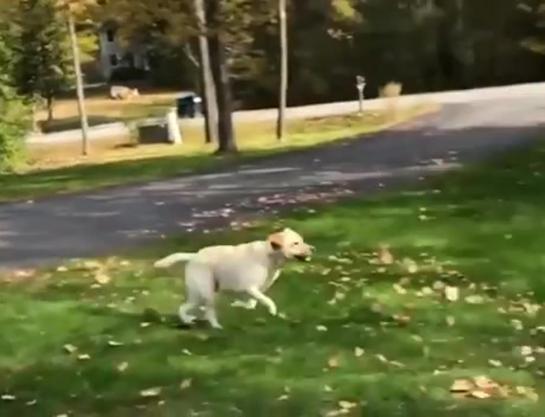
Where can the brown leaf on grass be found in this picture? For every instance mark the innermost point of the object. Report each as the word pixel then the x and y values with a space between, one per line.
pixel 385 257
pixel 474 299
pixel 462 385
pixel 24 273
pixel 438 286
pixel 410 265
pixel 495 363
pixel 102 278
pixel 452 294
pixel 485 383
pixel 70 348
pixel 527 392
pixel 402 319
pixel 333 362
pixel 123 366
pixel 185 384
pixel 381 358
pixel 481 395
pixel 358 352
pixel 347 405
pixel 151 392
pixel 526 350
pixel 517 324
pixel 399 289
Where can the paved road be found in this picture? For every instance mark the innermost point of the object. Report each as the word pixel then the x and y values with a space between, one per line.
pixel 102 222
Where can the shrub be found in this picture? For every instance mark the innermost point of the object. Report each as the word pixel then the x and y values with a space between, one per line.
pixel 391 90
pixel 14 124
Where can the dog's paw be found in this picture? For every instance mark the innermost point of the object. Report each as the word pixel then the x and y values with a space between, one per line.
pixel 273 310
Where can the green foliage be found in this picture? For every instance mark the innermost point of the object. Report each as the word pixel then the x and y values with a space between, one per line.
pixel 44 64
pixel 13 112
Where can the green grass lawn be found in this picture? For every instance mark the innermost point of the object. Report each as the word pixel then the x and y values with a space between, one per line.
pixel 356 338
pixel 118 164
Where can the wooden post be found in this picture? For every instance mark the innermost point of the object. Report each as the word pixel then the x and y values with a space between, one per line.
pixel 283 93
pixel 79 84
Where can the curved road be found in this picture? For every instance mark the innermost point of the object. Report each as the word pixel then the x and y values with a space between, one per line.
pixel 98 223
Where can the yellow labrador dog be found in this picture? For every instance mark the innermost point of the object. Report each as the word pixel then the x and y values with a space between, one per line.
pixel 249 268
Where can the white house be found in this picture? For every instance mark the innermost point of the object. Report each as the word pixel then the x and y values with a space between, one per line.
pixel 115 54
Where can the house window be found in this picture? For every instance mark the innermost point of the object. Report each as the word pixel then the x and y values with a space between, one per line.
pixel 110 35
pixel 114 61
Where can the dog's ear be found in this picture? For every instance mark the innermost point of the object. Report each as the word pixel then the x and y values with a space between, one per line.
pixel 276 240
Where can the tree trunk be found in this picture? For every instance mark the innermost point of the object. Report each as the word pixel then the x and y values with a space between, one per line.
pixel 79 85
pixel 49 104
pixel 207 79
pixel 220 72
pixel 283 93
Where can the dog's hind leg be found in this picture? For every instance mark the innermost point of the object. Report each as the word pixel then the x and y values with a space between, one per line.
pixel 210 314
pixel 185 310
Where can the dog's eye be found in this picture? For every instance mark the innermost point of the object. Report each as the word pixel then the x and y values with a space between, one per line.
pixel 296 243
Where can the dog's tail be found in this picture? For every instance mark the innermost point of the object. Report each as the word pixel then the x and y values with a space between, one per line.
pixel 173 259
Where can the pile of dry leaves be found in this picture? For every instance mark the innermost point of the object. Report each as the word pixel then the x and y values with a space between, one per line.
pixel 482 388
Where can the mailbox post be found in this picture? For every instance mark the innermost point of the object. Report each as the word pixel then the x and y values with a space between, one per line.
pixel 360 85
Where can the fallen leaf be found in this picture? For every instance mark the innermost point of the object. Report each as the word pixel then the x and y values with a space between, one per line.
pixel 151 392
pixel 381 358
pixel 517 324
pixel 526 350
pixel 462 385
pixel 481 395
pixel 84 357
pixel 62 268
pixel 283 397
pixel 495 363
pixel 399 289
pixel 114 343
pixel 474 299
pixel 527 392
pixel 484 383
pixel 70 348
pixel 347 405
pixel 439 285
pixel 8 397
pixel 427 291
pixel 102 278
pixel 358 352
pixel 451 321
pixel 333 362
pixel 185 384
pixel 385 257
pixel 321 328
pixel 123 366
pixel 452 294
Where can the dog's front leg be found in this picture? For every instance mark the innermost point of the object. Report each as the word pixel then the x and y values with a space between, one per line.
pixel 270 282
pixel 263 299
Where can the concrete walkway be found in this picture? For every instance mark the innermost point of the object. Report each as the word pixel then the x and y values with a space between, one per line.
pixel 469 128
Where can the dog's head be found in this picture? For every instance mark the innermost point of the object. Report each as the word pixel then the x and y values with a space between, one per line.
pixel 291 245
